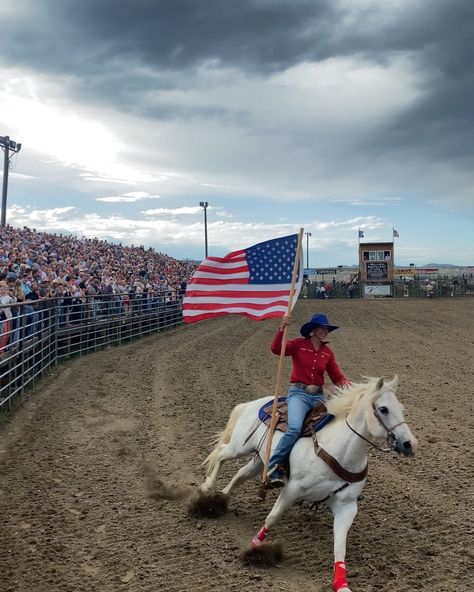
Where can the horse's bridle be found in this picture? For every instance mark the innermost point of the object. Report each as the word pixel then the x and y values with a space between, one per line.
pixel 360 476
pixel 391 437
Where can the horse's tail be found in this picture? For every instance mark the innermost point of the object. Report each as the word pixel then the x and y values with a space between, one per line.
pixel 223 438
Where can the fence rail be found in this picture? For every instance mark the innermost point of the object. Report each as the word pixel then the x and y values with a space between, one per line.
pixel 35 336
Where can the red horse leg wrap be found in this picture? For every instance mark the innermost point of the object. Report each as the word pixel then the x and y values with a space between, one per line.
pixel 260 537
pixel 339 580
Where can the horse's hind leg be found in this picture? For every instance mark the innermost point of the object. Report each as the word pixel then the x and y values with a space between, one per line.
pixel 210 482
pixel 251 469
pixel 226 452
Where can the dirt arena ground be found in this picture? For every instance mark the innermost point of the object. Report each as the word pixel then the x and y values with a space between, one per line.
pixel 97 465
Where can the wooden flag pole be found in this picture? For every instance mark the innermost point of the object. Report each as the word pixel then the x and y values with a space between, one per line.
pixel 273 420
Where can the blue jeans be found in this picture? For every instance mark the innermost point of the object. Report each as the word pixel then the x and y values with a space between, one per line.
pixel 299 403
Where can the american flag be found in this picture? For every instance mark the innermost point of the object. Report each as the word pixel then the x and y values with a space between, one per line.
pixel 395 233
pixel 254 282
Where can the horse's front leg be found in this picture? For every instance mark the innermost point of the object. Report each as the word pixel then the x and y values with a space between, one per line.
pixel 344 514
pixel 287 498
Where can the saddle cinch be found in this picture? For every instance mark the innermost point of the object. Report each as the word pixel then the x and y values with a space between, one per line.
pixel 315 419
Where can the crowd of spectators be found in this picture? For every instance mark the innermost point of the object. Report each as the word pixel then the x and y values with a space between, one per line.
pixel 35 266
pixel 52 263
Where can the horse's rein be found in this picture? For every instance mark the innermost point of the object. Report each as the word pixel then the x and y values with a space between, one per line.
pixel 366 440
pixel 391 437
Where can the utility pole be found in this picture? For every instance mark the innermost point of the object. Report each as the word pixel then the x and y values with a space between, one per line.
pixel 204 205
pixel 7 146
pixel 308 234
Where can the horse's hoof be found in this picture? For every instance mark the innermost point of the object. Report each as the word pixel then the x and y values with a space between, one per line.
pixel 212 505
pixel 262 555
pixel 255 542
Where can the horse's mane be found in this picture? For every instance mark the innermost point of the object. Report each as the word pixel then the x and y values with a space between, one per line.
pixel 342 398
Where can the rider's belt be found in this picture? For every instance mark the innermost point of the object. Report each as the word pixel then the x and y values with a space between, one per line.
pixel 311 389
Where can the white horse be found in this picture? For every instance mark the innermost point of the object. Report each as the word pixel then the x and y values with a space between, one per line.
pixel 363 412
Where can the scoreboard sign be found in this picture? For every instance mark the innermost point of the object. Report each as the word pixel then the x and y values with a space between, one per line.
pixel 377 270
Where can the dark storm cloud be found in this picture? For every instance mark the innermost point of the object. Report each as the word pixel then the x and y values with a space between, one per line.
pixel 118 50
pixel 440 126
pixel 169 34
pixel 260 35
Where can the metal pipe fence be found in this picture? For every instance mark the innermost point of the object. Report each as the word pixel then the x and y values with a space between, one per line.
pixel 442 287
pixel 36 335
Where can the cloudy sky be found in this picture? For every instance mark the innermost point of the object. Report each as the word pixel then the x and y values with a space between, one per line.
pixel 331 115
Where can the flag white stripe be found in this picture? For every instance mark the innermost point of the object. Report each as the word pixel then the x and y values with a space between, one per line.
pixel 221 276
pixel 221 300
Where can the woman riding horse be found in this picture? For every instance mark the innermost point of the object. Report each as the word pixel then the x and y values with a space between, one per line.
pixel 311 358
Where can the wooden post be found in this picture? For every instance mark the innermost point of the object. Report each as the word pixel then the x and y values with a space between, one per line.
pixel 273 420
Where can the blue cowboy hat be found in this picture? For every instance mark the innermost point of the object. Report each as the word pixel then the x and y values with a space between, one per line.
pixel 317 320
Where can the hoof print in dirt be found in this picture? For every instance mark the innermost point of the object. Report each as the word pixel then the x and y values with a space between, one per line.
pixel 266 555
pixel 211 505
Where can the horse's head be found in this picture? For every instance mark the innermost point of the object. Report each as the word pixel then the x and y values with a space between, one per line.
pixel 385 418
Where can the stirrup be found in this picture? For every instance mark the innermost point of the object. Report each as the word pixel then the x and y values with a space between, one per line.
pixel 276 483
pixel 276 478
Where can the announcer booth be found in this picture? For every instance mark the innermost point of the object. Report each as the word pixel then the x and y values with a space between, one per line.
pixel 376 269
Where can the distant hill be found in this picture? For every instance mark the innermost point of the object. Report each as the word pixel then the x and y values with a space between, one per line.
pixel 442 265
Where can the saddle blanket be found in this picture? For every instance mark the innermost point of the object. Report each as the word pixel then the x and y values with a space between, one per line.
pixel 315 419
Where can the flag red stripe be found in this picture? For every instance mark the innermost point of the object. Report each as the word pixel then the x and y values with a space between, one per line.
pixel 196 293
pixel 216 282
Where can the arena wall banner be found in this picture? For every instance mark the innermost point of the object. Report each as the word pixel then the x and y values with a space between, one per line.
pixel 426 270
pixel 379 290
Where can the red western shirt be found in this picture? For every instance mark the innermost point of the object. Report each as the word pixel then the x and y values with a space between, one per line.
pixel 309 364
